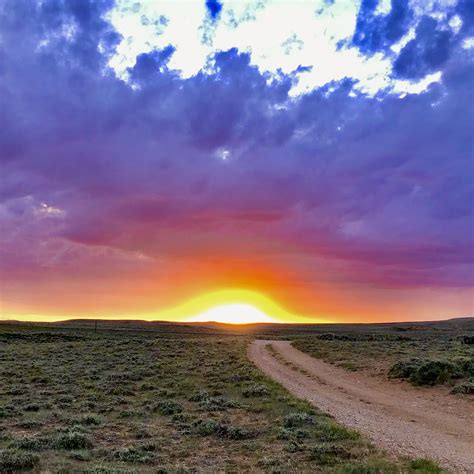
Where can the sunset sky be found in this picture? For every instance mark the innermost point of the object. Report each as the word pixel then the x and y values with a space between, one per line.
pixel 312 160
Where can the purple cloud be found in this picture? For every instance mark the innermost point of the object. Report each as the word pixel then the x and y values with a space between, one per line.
pixel 99 175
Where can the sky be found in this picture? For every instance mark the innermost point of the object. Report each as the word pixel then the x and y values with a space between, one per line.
pixel 317 154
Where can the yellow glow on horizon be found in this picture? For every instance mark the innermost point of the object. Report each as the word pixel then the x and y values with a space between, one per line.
pixel 225 305
pixel 233 314
pixel 233 306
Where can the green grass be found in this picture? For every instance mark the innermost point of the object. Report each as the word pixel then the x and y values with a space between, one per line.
pixel 12 460
pixel 128 401
pixel 422 355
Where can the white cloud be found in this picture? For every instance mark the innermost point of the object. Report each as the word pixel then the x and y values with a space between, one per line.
pixel 280 35
pixel 44 210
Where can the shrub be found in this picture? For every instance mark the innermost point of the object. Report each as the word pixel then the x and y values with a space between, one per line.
pixel 210 403
pixel 289 433
pixel 298 419
pixel 168 407
pixel 437 371
pixel 17 461
pixel 199 396
pixel 29 424
pixel 295 446
pixel 236 432
pixel 329 453
pixel 222 430
pixel 36 443
pixel 80 455
pixel 89 420
pixel 136 454
pixel 468 340
pixel 404 369
pixel 32 407
pixel 256 390
pixel 7 411
pixel 465 388
pixel 141 432
pixel 71 440
pixel 432 371
pixel 467 366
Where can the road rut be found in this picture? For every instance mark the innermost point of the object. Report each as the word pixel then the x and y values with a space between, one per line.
pixel 403 420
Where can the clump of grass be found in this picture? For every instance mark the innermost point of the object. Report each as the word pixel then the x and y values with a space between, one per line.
pixel 295 446
pixel 103 469
pixel 127 414
pixel 206 427
pixel 329 453
pixel 64 440
pixel 89 420
pixel 424 466
pixel 298 419
pixel 168 407
pixel 292 433
pixel 333 432
pixel 464 388
pixel 143 454
pixel 140 432
pixel 372 467
pixel 208 402
pixel 32 407
pixel 7 411
pixel 35 443
pixel 12 460
pixel 71 440
pixel 256 390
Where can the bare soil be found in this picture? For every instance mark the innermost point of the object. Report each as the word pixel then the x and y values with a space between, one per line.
pixel 404 420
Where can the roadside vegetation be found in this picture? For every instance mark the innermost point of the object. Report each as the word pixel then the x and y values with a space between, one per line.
pixel 426 355
pixel 148 401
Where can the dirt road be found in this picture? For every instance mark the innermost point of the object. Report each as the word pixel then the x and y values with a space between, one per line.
pixel 402 419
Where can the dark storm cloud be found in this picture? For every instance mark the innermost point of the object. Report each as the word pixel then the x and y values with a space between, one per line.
pixel 375 32
pixel 148 64
pixel 427 52
pixel 434 41
pixel 378 183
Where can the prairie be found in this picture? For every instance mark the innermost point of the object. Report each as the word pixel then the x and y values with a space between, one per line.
pixel 424 354
pixel 138 397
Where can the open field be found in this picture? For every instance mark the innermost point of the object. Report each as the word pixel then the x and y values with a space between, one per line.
pixel 432 354
pixel 399 418
pixel 164 398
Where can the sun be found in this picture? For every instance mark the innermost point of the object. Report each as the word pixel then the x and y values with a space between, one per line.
pixel 232 306
pixel 233 314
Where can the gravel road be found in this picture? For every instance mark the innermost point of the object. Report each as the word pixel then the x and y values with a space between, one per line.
pixel 402 419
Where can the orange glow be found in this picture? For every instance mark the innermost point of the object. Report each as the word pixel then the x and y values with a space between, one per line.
pixel 232 306
pixel 233 314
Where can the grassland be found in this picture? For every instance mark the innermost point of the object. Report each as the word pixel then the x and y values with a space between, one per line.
pixel 161 399
pixel 422 354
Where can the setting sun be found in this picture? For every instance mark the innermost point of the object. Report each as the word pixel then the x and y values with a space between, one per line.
pixel 233 314
pixel 233 306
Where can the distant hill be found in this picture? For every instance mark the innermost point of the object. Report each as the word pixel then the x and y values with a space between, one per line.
pixel 213 328
pixel 466 324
